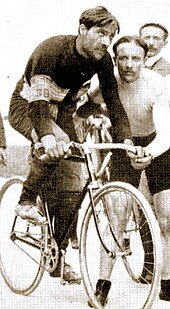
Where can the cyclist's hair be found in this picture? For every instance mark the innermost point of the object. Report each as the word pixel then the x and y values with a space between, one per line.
pixel 98 16
pixel 160 26
pixel 131 39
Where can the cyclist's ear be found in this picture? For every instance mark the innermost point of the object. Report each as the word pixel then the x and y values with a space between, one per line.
pixel 82 29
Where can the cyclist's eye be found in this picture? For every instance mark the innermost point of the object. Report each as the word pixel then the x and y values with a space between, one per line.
pixel 101 33
pixel 111 36
pixel 136 59
pixel 122 58
pixel 156 38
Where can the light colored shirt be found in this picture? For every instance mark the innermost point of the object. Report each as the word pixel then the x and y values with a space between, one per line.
pixel 142 100
pixel 159 64
pixel 146 104
pixel 150 61
pixel 167 80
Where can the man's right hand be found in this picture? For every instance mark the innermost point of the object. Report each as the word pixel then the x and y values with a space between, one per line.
pixel 53 148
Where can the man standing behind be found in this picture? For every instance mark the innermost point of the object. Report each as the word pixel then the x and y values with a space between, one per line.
pixel 155 36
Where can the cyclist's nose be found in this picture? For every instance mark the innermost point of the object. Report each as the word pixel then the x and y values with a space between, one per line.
pixel 151 42
pixel 106 40
pixel 129 63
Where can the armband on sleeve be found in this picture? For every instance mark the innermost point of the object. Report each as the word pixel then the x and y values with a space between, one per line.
pixel 43 88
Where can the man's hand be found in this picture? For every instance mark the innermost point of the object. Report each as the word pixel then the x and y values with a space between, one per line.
pixel 53 148
pixel 141 164
pixel 141 159
pixel 3 157
pixel 129 142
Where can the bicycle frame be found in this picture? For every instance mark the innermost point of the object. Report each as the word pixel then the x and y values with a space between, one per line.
pixel 29 238
pixel 24 237
pixel 94 181
pixel 97 208
pixel 95 178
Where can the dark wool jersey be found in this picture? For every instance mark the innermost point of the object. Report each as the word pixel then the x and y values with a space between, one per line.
pixel 2 133
pixel 58 59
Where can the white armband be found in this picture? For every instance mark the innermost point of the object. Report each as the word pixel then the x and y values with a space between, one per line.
pixel 43 88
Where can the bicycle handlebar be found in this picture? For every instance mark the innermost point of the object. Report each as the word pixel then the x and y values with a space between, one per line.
pixel 88 147
pixel 105 146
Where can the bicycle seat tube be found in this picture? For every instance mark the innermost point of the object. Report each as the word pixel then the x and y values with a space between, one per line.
pixel 46 207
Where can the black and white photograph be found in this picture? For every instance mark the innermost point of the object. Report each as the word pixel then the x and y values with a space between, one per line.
pixel 84 154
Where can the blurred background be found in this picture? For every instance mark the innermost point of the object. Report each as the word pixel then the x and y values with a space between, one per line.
pixel 25 23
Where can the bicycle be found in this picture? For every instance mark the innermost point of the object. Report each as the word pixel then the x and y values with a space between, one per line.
pixel 39 251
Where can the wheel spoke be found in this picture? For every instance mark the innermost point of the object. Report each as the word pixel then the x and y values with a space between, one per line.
pixel 22 269
pixel 124 213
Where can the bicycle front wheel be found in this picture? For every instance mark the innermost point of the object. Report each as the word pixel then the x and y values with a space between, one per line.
pixel 20 243
pixel 115 205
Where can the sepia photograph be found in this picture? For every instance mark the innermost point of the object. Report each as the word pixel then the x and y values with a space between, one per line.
pixel 85 154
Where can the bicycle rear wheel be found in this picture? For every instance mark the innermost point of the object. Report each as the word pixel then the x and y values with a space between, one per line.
pixel 21 262
pixel 114 204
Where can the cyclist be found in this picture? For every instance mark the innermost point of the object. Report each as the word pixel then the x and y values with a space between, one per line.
pixel 2 142
pixel 54 74
pixel 144 97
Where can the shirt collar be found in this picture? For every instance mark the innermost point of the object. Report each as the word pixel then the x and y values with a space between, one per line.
pixel 152 60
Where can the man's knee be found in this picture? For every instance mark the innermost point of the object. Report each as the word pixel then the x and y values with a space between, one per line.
pixel 164 224
pixel 161 206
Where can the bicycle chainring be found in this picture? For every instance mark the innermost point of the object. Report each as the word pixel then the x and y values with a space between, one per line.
pixel 50 255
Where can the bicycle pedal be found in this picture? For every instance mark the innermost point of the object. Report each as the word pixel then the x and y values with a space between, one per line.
pixel 78 281
pixel 65 282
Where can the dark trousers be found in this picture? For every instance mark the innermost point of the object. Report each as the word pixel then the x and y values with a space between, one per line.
pixel 64 182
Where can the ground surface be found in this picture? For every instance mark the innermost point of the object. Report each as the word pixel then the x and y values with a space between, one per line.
pixel 51 294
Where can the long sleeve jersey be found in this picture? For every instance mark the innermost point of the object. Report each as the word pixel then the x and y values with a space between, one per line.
pixel 55 72
pixel 2 134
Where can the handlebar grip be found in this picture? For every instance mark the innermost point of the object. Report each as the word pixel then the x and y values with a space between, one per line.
pixel 45 157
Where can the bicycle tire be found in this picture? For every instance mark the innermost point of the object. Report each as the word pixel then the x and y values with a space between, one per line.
pixel 89 257
pixel 14 254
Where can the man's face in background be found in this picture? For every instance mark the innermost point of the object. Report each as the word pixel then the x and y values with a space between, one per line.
pixel 154 37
